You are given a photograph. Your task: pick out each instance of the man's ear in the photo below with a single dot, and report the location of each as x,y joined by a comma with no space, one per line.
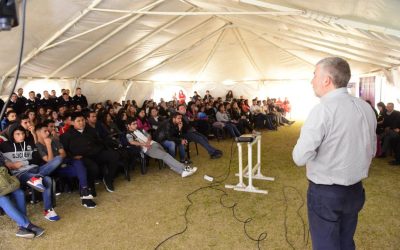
327,80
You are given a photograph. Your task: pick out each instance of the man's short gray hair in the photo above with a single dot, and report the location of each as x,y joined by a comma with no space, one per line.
338,69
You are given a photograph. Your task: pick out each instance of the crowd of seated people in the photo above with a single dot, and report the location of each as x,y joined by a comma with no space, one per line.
56,137
388,132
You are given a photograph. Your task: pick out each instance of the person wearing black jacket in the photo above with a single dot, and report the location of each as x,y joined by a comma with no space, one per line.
191,134
65,101
13,103
82,142
391,124
79,99
21,101
239,118
47,101
33,102
169,134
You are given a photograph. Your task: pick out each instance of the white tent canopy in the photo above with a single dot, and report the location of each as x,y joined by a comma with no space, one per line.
121,48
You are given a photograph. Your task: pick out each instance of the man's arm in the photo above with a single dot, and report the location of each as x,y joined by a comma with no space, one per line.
14,165
311,136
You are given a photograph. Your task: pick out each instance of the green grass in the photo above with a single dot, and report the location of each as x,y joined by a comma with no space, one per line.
142,213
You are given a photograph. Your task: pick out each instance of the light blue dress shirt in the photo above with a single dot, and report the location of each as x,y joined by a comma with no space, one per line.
338,140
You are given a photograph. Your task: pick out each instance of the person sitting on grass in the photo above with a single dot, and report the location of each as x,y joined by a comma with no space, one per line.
49,148
22,158
153,149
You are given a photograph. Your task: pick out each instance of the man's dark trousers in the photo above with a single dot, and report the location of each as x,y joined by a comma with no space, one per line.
333,214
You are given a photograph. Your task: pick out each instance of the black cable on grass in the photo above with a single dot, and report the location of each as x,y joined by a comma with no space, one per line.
21,52
298,214
214,186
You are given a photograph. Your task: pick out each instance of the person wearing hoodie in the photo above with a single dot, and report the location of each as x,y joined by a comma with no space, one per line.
14,206
23,160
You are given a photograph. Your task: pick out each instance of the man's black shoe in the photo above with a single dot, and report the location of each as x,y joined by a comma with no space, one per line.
88,203
109,185
216,155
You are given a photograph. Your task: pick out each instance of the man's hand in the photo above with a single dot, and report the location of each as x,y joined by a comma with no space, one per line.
184,142
31,128
78,157
397,130
47,141
18,164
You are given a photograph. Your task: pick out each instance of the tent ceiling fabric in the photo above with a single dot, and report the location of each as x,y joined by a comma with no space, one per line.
90,39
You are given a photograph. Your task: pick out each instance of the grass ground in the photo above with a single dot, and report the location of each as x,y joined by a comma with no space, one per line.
142,213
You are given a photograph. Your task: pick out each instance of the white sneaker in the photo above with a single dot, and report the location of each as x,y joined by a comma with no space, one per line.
188,171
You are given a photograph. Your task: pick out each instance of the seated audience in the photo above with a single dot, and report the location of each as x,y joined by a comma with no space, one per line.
191,134
49,148
155,150
222,116
169,134
23,160
81,141
391,126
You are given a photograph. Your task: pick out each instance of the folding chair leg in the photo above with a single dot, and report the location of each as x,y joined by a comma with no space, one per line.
143,165
53,192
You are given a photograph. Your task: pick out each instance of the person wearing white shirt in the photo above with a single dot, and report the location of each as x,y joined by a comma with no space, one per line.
153,149
337,143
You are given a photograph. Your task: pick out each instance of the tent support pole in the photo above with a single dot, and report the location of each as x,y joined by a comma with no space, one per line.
314,15
128,84
134,44
35,51
196,44
279,47
130,65
76,84
210,55
101,41
247,53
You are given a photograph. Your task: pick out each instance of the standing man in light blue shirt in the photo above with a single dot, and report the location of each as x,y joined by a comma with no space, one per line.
337,143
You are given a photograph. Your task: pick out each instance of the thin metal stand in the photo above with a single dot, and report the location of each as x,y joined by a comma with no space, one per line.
249,170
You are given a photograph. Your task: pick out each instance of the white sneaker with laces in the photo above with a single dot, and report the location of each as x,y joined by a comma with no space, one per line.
188,171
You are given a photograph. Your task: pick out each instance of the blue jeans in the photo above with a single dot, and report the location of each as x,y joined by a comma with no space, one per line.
74,168
201,139
17,211
232,129
171,145
43,171
333,214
